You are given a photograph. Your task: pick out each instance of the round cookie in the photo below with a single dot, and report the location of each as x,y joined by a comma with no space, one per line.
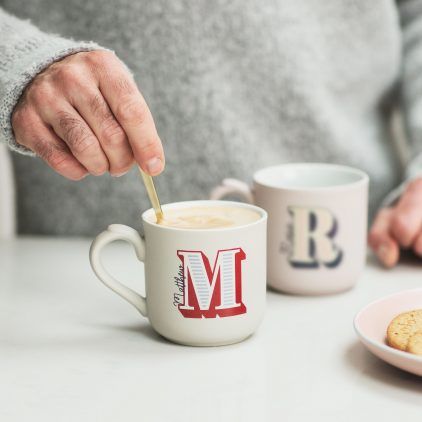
402,327
415,344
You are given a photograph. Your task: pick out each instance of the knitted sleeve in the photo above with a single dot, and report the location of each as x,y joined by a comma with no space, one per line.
25,51
411,89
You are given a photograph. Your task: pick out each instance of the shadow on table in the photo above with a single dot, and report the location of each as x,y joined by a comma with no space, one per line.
407,257
373,368
144,330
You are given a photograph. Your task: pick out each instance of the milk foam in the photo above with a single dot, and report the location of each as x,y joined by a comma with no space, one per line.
208,217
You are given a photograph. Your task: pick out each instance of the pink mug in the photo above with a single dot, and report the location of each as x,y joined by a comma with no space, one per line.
317,222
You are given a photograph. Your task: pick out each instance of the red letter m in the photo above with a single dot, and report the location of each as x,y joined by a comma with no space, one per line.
209,293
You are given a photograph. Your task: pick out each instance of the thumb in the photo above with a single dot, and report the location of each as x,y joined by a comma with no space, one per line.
380,240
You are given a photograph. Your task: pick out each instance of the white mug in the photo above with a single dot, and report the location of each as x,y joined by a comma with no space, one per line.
317,222
204,287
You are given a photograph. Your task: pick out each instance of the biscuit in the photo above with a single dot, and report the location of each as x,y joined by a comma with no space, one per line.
402,327
415,344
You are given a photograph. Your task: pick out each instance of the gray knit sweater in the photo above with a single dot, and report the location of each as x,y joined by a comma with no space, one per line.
233,85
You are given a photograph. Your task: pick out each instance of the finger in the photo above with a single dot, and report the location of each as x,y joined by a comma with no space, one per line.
35,135
92,106
70,126
134,116
406,223
417,246
380,240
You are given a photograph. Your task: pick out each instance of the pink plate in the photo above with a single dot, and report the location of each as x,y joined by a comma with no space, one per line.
371,325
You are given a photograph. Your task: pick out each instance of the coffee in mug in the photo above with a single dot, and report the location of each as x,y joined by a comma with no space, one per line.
208,217
205,270
317,222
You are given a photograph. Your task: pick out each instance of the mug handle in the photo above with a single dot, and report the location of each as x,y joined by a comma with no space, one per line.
233,187
118,232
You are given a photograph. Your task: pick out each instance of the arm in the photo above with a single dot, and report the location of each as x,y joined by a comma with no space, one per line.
25,52
72,103
411,87
399,223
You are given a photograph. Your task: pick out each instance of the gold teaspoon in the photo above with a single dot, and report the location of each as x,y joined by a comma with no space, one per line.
152,194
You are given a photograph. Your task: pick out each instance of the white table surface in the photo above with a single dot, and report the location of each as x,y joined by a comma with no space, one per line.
71,350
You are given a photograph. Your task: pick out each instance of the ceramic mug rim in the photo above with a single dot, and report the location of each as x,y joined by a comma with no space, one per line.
207,202
362,178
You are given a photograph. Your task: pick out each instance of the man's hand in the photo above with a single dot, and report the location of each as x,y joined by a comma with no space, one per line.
85,114
399,226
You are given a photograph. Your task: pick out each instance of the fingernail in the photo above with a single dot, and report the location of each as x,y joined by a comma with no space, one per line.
154,166
387,255
119,174
382,252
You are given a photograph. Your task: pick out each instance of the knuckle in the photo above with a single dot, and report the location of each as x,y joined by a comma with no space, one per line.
132,112
98,107
76,134
59,161
24,125
43,149
122,167
18,117
99,57
125,85
67,121
112,133
55,156
401,226
83,143
40,93
148,147
69,75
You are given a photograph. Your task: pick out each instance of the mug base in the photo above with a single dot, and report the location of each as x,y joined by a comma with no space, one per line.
207,344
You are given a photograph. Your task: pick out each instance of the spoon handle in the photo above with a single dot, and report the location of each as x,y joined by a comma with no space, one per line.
152,194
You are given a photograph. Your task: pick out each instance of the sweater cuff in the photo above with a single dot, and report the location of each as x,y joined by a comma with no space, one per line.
414,171
23,70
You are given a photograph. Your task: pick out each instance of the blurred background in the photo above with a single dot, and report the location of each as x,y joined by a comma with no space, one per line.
8,197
